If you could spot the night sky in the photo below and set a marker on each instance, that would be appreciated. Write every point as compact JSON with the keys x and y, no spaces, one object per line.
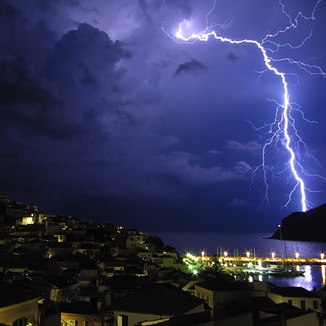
{"x":104,"y":116}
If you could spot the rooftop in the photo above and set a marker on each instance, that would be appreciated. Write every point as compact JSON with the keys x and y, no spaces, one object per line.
{"x":161,"y":300}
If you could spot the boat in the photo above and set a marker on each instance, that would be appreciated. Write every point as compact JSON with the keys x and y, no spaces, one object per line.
{"x":272,"y":270}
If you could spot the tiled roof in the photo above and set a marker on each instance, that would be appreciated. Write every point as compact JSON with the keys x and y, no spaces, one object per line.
{"x":161,"y":300}
{"x":220,"y":285}
{"x":296,"y":292}
{"x":12,"y":294}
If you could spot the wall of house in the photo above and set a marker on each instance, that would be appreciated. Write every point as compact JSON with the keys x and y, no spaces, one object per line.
{"x":221,"y":300}
{"x":225,"y":299}
{"x":70,"y":319}
{"x":296,"y":302}
{"x":134,"y":318}
{"x":206,"y":295}
{"x":27,"y":309}
{"x":243,"y":320}
{"x":309,"y":319}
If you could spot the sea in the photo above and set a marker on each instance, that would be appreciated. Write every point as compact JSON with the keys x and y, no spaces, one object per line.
{"x":259,"y":245}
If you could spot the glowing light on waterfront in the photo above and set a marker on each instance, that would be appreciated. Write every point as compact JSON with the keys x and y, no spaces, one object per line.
{"x":273,"y":255}
{"x":322,"y":255}
{"x":297,"y":255}
{"x":248,"y":254}
{"x":225,"y":254}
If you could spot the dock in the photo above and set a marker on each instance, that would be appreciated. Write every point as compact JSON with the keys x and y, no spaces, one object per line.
{"x":275,"y":260}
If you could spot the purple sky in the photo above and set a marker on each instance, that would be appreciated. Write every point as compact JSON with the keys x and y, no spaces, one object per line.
{"x":104,"y":116}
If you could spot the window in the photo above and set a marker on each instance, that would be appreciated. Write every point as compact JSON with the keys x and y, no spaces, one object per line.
{"x":303,"y":304}
{"x":315,"y":304}
{"x":20,"y":322}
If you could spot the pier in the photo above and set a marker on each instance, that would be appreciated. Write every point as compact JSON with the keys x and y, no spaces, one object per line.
{"x":269,"y":260}
{"x":272,"y":260}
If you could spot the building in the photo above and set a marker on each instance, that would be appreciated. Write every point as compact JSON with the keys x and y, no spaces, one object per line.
{"x":223,"y":294}
{"x":297,"y":297}
{"x":18,"y":306}
{"x":81,"y":314}
{"x":159,"y":303}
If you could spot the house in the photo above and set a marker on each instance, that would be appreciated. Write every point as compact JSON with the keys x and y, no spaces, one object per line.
{"x":18,"y":306}
{"x":223,"y":294}
{"x":269,"y":313}
{"x":297,"y":297}
{"x":81,"y":313}
{"x":63,"y":249}
{"x":87,"y":270}
{"x":89,"y":249}
{"x":159,"y":303}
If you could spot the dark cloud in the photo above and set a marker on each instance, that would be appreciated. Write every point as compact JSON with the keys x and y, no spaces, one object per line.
{"x":231,"y":56}
{"x":84,"y":53}
{"x":190,"y":66}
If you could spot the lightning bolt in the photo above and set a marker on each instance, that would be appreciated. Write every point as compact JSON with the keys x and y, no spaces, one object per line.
{"x":282,"y":129}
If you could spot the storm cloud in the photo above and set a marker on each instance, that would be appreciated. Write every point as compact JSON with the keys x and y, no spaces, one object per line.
{"x":105,"y":115}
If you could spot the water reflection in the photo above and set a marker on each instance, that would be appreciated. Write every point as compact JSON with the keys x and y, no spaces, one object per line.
{"x":307,"y":273}
{"x":311,"y":279}
{"x":322,"y":267}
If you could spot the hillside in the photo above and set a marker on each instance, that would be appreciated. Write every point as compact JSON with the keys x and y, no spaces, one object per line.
{"x":304,"y":226}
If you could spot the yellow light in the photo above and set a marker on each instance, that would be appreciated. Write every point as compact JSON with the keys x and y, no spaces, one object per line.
{"x":225,"y":254}
{"x":29,"y":220}
{"x":248,"y":254}
{"x":322,"y":255}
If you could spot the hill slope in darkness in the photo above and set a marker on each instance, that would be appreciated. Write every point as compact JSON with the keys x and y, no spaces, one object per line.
{"x":304,"y":226}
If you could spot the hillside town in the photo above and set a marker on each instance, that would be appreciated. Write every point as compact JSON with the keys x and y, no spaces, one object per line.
{"x":62,"y":271}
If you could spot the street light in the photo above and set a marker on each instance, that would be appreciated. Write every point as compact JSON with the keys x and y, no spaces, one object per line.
{"x":248,"y":254}
{"x":297,"y":255}
{"x":273,"y":255}
{"x":280,"y":231}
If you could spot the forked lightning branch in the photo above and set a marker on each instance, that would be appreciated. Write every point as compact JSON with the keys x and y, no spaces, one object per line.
{"x":283,"y":127}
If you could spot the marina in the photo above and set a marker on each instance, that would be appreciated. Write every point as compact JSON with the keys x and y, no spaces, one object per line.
{"x":244,"y":248}
{"x":276,"y":261}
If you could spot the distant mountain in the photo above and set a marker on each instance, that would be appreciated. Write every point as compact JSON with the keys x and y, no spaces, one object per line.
{"x":304,"y":226}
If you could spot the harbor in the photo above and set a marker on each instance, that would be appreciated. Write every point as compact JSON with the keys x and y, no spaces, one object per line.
{"x":247,"y":266}
{"x":272,"y":260}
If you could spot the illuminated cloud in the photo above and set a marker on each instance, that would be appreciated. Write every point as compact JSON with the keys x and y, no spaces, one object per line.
{"x":237,"y":202}
{"x":250,"y":146}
